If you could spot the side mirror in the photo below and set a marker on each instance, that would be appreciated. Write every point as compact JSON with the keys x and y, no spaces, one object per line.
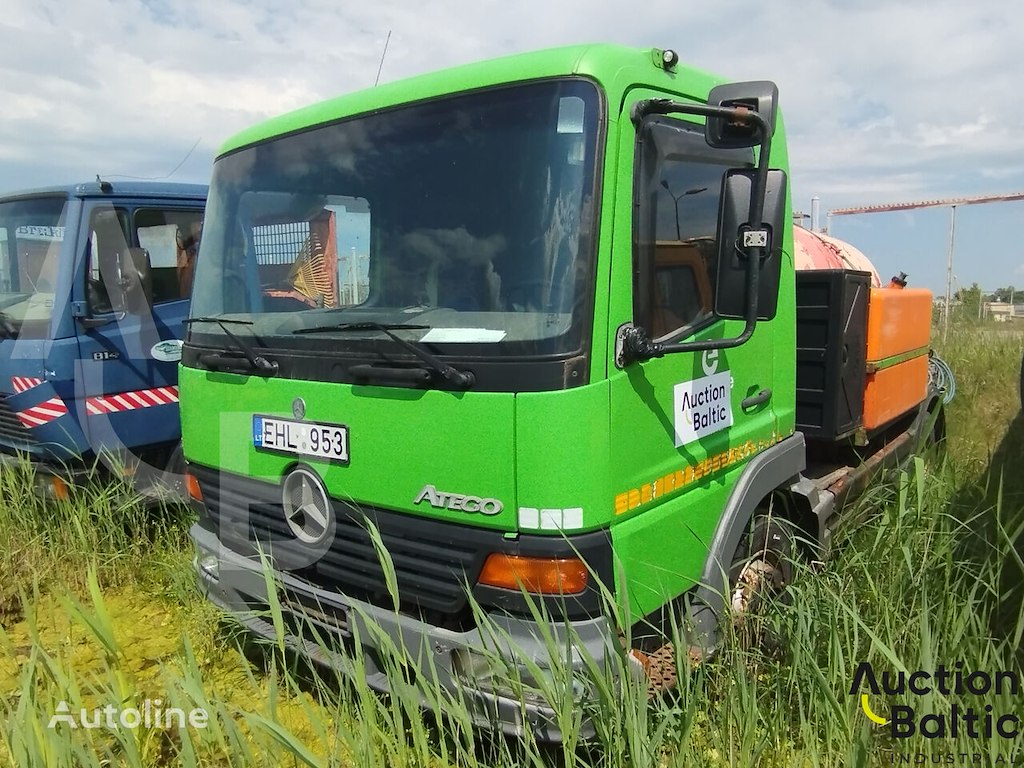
{"x":761,"y":96}
{"x":134,"y":291}
{"x":143,"y":267}
{"x":731,"y":300}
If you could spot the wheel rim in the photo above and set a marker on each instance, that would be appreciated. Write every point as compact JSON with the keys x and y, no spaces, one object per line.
{"x":763,"y":570}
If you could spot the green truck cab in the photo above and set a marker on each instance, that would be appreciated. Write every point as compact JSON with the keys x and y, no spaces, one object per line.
{"x":535,"y":320}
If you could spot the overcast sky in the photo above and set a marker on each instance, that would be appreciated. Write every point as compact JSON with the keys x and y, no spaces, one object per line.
{"x":883,"y":101}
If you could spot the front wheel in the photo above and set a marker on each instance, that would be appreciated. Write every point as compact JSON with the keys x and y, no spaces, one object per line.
{"x":761,"y":570}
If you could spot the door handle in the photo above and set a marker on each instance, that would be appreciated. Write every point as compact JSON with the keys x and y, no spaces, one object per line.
{"x":756,"y":399}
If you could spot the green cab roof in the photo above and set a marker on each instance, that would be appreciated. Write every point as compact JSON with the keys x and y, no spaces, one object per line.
{"x":616,"y":68}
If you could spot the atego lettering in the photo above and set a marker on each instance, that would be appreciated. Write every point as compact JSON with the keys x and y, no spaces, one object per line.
{"x":458,"y":501}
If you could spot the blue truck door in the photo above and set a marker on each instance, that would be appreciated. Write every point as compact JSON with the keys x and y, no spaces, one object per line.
{"x":138,"y":278}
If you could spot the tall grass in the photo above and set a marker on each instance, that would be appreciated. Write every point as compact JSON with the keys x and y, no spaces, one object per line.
{"x":901,"y":593}
{"x":101,"y":524}
{"x":928,"y":575}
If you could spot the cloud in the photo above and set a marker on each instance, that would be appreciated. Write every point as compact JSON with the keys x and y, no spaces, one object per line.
{"x":883,"y":100}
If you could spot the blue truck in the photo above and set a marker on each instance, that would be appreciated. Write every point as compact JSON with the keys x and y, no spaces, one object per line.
{"x":95,"y":282}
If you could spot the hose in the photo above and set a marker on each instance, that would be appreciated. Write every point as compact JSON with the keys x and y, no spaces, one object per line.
{"x":941,"y":377}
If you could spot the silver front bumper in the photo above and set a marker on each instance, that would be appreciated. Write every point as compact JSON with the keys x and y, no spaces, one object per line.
{"x":237,"y":585}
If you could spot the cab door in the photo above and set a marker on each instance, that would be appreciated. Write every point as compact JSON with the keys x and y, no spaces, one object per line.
{"x":137,"y":298}
{"x":683,"y":425}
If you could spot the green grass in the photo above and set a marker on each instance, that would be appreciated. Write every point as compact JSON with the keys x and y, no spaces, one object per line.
{"x":49,"y":541}
{"x":99,"y":607}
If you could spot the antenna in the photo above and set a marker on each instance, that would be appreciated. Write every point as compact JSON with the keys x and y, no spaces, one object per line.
{"x":385,"y":53}
{"x":154,"y":178}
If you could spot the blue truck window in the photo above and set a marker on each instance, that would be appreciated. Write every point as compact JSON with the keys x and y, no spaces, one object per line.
{"x":171,"y":237}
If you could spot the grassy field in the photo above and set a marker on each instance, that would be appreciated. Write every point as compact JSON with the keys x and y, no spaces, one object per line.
{"x":98,"y":607}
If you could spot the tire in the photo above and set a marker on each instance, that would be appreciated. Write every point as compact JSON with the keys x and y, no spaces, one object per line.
{"x":933,"y":442}
{"x":761,"y":569}
{"x":1022,"y":384}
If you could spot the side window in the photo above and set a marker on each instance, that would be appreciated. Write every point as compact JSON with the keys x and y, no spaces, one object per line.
{"x":158,"y":269}
{"x":678,"y":186}
{"x":171,"y":237}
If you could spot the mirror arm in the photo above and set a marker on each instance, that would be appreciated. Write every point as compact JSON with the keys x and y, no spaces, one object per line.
{"x":83,"y":315}
{"x":759,"y":189}
{"x":88,"y":323}
{"x":645,"y":107}
{"x":632,"y":342}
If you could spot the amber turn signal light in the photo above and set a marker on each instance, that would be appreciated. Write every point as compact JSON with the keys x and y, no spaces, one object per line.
{"x":192,"y":486}
{"x":60,"y":489}
{"x":539,"y":575}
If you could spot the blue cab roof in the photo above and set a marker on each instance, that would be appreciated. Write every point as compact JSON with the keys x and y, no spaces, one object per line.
{"x":115,"y":189}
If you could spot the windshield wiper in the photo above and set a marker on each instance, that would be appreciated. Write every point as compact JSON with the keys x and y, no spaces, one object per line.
{"x":256,"y":362}
{"x":363,"y":325}
{"x":455,"y":377}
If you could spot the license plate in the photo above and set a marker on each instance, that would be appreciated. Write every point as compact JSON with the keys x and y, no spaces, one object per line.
{"x":301,"y":438}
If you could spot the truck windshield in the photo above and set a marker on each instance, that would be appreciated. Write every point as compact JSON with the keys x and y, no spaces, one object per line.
{"x":31,"y":236}
{"x":468,"y":219}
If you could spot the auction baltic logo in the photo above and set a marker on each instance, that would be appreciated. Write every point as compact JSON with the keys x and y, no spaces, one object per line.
{"x":973,"y":719}
{"x":151,"y":715}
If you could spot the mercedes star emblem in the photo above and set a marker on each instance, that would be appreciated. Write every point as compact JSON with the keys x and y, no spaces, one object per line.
{"x":307,"y":508}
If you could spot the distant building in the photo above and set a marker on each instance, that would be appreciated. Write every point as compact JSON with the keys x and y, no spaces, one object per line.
{"x":1000,"y":311}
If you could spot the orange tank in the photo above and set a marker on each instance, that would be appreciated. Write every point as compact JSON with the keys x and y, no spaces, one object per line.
{"x":899,"y":329}
{"x":893,"y":391}
{"x":816,"y":250}
{"x":899,"y":321}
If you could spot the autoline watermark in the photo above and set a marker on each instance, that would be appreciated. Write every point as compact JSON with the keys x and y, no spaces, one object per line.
{"x":152,"y":714}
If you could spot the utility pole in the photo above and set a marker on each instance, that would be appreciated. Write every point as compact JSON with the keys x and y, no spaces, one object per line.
{"x":353,"y":277}
{"x":949,"y":272}
{"x":676,"y":198}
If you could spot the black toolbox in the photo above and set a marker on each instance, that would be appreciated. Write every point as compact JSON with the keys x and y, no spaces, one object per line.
{"x":831,"y":347}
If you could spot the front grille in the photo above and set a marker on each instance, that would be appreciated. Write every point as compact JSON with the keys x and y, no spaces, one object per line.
{"x":12,"y":432}
{"x":432,"y":562}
